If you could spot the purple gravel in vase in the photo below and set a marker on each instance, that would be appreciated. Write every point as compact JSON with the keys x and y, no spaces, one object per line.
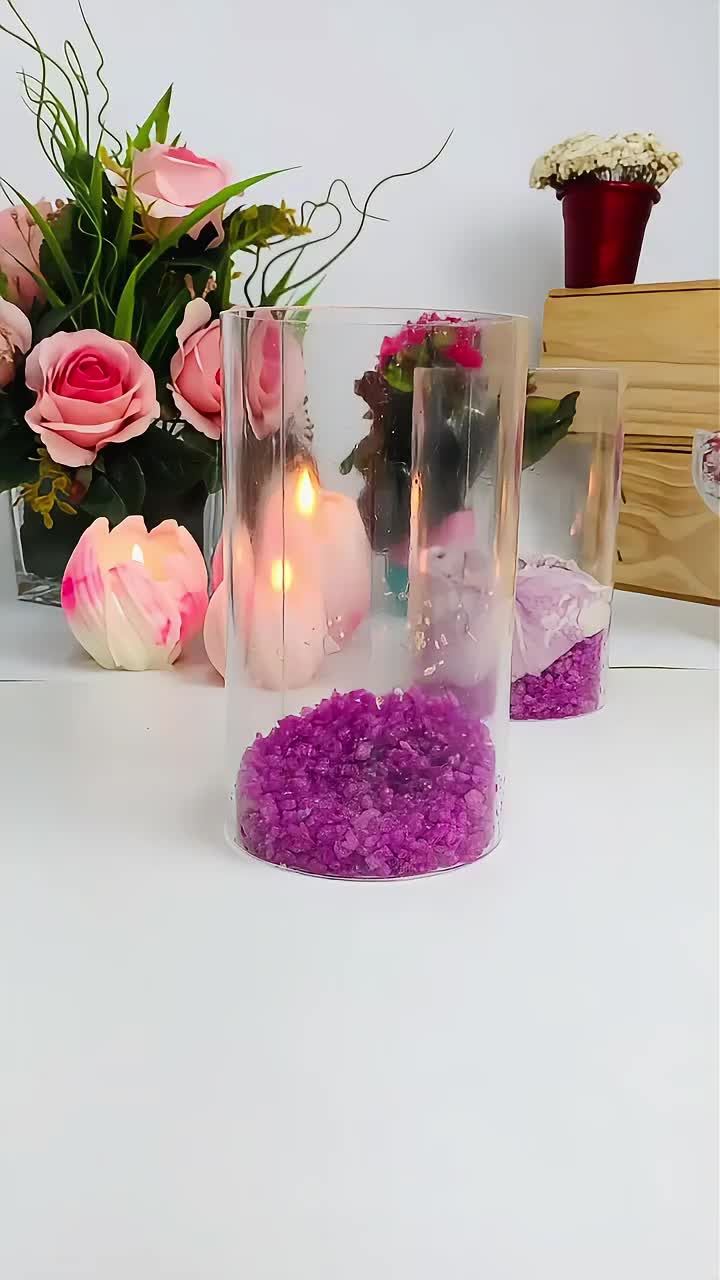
{"x":360,"y":786}
{"x":570,"y":686}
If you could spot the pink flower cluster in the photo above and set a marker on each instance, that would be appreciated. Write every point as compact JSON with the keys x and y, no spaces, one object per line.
{"x":462,"y":351}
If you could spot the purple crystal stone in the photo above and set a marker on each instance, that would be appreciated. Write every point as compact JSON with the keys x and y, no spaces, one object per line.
{"x":360,"y":786}
{"x":570,"y":686}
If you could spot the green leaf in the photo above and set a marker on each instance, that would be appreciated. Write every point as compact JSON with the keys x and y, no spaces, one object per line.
{"x":196,"y":442}
{"x":305,"y":298}
{"x":159,"y":120}
{"x":47,"y":551}
{"x":18,"y":447}
{"x":53,"y":244}
{"x":126,"y":306}
{"x":160,"y":328}
{"x":283,"y":284}
{"x":16,"y":469}
{"x":169,"y":465}
{"x":96,"y":189}
{"x":122,"y":239}
{"x":347,"y":464}
{"x":398,"y":377}
{"x":102,"y":499}
{"x":54,"y":319}
{"x":546,"y":422}
{"x":125,"y":474}
{"x":3,"y":285}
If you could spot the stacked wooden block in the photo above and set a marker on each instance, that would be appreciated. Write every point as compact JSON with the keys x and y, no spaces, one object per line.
{"x":665,"y":340}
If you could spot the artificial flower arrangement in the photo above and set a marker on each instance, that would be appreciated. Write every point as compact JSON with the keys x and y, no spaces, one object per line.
{"x":383,"y":456}
{"x":608,"y":187}
{"x":110,"y":297}
{"x":623,"y":157}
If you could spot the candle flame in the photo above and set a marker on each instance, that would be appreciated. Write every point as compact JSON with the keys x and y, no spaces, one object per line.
{"x":306,"y":497}
{"x":281,"y":575}
{"x":137,"y":553}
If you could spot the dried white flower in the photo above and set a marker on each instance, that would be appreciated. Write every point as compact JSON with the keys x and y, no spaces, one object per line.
{"x":623,"y":157}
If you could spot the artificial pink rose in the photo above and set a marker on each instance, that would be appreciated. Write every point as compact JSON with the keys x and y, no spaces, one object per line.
{"x":195,"y":369}
{"x":170,"y":182}
{"x":92,"y":390}
{"x":15,"y":335}
{"x":275,"y":373}
{"x":20,"y":240}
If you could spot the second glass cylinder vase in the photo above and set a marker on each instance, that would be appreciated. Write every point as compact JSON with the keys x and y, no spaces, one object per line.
{"x":568,"y":521}
{"x":367,"y":741}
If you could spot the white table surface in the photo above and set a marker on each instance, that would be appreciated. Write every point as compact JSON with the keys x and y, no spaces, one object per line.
{"x":215,"y":1070}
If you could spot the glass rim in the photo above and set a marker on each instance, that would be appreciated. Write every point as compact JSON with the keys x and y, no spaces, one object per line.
{"x":373,"y":315}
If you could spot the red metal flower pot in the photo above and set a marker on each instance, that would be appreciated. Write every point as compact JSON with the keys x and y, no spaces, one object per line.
{"x":604,"y":227}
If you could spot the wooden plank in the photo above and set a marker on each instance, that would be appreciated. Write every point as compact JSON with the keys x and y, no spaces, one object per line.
{"x":676,"y":326}
{"x":655,"y":444}
{"x":662,"y":286}
{"x":640,"y":374}
{"x":668,"y":541}
{"x":662,"y":400}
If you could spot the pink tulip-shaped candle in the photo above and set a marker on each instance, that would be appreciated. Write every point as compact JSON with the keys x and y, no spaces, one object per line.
{"x":132,"y":598}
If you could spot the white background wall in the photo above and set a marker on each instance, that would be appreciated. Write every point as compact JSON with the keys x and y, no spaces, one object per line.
{"x":360,"y":89}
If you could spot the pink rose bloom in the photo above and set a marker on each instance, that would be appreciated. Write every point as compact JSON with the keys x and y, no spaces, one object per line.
{"x":92,"y":390}
{"x":275,"y":374}
{"x":15,"y":335}
{"x":20,"y":240}
{"x":170,"y":182}
{"x":196,"y":377}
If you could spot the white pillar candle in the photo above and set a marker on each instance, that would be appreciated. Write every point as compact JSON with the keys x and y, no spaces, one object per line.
{"x":288,"y":624}
{"x":288,"y":628}
{"x":346,"y":564}
{"x":287,"y":521}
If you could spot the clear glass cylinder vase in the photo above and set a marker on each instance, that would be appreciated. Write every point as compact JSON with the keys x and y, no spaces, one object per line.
{"x":572,"y":465}
{"x":365,"y":740}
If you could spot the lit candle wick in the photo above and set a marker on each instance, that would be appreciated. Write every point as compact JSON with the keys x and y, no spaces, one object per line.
{"x":281,"y":575}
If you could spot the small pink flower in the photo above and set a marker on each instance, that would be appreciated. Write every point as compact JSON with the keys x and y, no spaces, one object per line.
{"x":15,"y":335}
{"x":20,"y":240}
{"x":133,"y":599}
{"x":275,"y":374}
{"x":462,"y":352}
{"x":92,"y":390}
{"x":196,"y":378}
{"x":170,"y":182}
